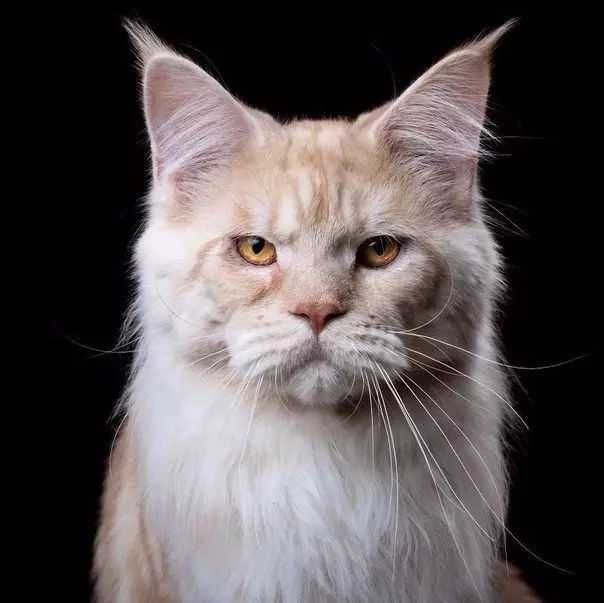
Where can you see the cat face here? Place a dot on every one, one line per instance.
(300, 255)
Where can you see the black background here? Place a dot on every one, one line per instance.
(542, 187)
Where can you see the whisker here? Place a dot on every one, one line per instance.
(379, 401)
(358, 404)
(451, 289)
(222, 351)
(208, 369)
(507, 218)
(277, 393)
(281, 381)
(226, 381)
(101, 352)
(423, 366)
(439, 427)
(499, 518)
(457, 371)
(114, 440)
(392, 76)
(245, 441)
(438, 466)
(394, 479)
(372, 423)
(419, 439)
(440, 350)
(489, 360)
(239, 393)
(354, 377)
(163, 301)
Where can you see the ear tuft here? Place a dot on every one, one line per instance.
(487, 43)
(146, 44)
(435, 127)
(195, 126)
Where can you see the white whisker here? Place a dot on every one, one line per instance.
(489, 360)
(446, 304)
(114, 440)
(372, 423)
(221, 351)
(394, 479)
(500, 518)
(505, 217)
(241, 390)
(209, 368)
(419, 439)
(100, 352)
(245, 441)
(423, 366)
(359, 401)
(447, 482)
(453, 449)
(277, 392)
(457, 371)
(453, 491)
(175, 314)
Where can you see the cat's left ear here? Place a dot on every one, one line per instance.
(195, 126)
(434, 128)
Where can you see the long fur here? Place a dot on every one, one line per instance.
(256, 464)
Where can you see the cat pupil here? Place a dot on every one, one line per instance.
(379, 245)
(257, 245)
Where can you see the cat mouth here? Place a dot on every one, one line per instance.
(309, 356)
(315, 354)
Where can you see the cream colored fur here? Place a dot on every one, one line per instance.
(258, 461)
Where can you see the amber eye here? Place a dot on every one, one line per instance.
(378, 252)
(256, 250)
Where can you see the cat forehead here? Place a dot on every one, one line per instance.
(326, 136)
(318, 176)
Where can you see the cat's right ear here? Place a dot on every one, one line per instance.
(195, 126)
(435, 128)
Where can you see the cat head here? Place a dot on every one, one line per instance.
(312, 255)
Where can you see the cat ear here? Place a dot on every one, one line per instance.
(195, 126)
(434, 128)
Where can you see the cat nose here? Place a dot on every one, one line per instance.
(318, 314)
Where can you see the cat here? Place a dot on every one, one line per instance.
(316, 410)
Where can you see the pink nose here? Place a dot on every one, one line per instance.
(318, 314)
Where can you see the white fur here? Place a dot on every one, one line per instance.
(254, 501)
(257, 498)
(287, 507)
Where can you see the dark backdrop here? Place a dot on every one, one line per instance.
(541, 187)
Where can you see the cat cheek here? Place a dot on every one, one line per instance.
(266, 286)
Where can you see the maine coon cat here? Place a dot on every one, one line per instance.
(316, 412)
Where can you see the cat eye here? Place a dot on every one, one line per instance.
(257, 250)
(378, 252)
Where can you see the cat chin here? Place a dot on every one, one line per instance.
(319, 384)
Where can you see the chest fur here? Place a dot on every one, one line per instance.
(284, 508)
